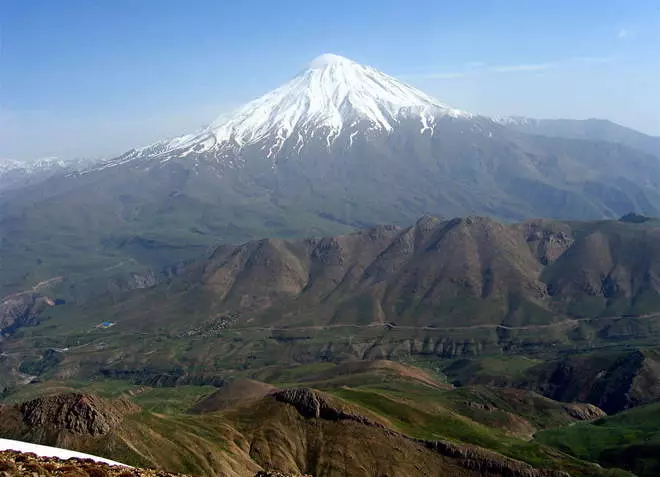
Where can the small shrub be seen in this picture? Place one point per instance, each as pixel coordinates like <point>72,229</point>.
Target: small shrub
<point>97,472</point>
<point>7,466</point>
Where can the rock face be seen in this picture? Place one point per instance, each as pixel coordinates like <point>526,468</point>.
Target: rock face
<point>613,382</point>
<point>77,413</point>
<point>306,400</point>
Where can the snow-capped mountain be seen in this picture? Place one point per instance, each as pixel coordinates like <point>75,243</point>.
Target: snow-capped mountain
<point>333,98</point>
<point>339,146</point>
<point>32,167</point>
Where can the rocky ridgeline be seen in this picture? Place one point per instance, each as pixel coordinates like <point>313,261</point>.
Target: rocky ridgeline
<point>313,404</point>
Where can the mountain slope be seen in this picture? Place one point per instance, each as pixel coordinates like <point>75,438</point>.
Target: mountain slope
<point>629,440</point>
<point>437,290</point>
<point>302,430</point>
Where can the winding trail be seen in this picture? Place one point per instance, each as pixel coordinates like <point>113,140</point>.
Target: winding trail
<point>557,324</point>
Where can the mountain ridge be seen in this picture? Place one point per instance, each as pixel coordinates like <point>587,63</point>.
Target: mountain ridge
<point>590,129</point>
<point>440,289</point>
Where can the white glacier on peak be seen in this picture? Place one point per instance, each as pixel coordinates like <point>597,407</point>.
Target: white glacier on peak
<point>333,93</point>
<point>328,59</point>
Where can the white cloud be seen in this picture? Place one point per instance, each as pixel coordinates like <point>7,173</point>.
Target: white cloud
<point>475,68</point>
<point>438,75</point>
<point>523,67</point>
<point>594,59</point>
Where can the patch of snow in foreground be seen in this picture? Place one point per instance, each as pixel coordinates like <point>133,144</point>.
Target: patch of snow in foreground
<point>46,451</point>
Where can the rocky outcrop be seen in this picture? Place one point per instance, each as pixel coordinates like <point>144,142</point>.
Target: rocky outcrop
<point>77,413</point>
<point>21,309</point>
<point>307,401</point>
<point>314,404</point>
<point>133,281</point>
<point>547,244</point>
<point>584,411</point>
<point>487,462</point>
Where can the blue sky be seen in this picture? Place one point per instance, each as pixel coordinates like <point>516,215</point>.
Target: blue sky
<point>94,78</point>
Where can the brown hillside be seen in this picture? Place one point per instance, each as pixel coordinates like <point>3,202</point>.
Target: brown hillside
<point>294,431</point>
<point>366,371</point>
<point>462,272</point>
<point>332,440</point>
<point>236,393</point>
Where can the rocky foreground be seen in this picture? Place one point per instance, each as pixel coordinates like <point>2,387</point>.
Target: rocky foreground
<point>15,464</point>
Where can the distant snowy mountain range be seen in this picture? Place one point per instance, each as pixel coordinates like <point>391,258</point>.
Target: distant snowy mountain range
<point>15,173</point>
